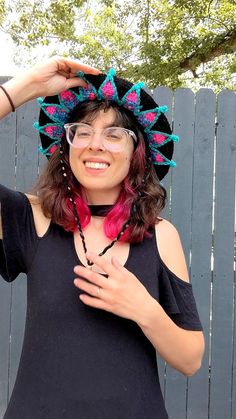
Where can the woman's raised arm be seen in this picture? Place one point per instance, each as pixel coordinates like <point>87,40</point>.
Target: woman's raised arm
<point>46,79</point>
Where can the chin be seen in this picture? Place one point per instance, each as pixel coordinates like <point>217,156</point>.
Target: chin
<point>100,186</point>
<point>95,187</point>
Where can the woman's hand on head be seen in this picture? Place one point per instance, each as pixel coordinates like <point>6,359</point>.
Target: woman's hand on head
<point>121,293</point>
<point>45,79</point>
<point>57,74</point>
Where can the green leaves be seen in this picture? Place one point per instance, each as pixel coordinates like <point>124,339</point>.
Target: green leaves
<point>2,11</point>
<point>163,42</point>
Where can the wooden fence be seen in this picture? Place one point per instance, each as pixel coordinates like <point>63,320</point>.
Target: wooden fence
<point>201,191</point>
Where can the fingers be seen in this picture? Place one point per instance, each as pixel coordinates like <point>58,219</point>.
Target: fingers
<point>92,277</point>
<point>75,81</point>
<point>88,287</point>
<point>72,79</point>
<point>75,65</point>
<point>102,263</point>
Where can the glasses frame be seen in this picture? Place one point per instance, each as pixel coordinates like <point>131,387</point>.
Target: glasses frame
<point>67,127</point>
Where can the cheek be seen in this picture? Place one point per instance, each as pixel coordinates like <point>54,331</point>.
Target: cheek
<point>123,167</point>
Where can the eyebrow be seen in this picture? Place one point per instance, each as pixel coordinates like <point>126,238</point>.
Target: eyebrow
<point>105,126</point>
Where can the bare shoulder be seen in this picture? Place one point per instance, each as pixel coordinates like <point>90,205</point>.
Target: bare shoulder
<point>171,249</point>
<point>33,199</point>
<point>41,222</point>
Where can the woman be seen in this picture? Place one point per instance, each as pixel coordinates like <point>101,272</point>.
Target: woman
<point>108,284</point>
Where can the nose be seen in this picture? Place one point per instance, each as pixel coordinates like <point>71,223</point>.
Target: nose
<point>96,142</point>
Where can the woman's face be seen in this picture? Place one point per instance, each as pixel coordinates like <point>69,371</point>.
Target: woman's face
<point>101,182</point>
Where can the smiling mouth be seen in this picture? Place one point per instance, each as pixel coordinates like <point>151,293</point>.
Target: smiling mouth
<point>96,165</point>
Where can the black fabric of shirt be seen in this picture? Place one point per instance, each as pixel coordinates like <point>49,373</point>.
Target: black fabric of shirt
<point>80,362</point>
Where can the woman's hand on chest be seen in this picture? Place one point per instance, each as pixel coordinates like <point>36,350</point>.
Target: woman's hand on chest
<point>121,293</point>
<point>96,242</point>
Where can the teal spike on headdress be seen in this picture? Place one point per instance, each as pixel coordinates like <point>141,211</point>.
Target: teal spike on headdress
<point>108,89</point>
<point>86,93</point>
<point>131,99</point>
<point>53,131</point>
<point>159,159</point>
<point>158,139</point>
<point>50,149</point>
<point>40,100</point>
<point>68,100</point>
<point>148,118</point>
<point>57,113</point>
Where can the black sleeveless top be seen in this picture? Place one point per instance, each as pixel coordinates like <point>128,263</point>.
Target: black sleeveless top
<point>79,362</point>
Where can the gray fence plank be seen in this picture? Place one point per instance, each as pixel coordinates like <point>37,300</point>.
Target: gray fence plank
<point>181,205</point>
<point>202,214</point>
<point>234,331</point>
<point>223,278</point>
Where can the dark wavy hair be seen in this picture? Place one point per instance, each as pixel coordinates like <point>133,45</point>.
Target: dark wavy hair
<point>52,187</point>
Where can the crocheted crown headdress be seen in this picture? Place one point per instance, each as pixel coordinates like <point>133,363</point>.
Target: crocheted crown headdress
<point>57,110</point>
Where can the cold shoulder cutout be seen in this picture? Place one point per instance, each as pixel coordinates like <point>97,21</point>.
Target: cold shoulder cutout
<point>176,298</point>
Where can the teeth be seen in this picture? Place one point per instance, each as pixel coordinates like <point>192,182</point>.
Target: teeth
<point>96,165</point>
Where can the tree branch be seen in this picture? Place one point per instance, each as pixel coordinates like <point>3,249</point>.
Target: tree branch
<point>226,45</point>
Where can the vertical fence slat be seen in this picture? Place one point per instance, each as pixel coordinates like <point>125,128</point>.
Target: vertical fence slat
<point>202,213</point>
<point>181,203</point>
<point>234,331</point>
<point>223,277</point>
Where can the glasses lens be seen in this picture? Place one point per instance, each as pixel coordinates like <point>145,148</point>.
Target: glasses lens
<point>115,139</point>
<point>79,135</point>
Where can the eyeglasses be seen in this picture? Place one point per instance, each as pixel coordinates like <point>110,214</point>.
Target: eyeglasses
<point>114,139</point>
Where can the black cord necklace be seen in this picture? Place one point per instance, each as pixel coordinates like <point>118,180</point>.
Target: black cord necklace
<point>126,224</point>
<point>102,210</point>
